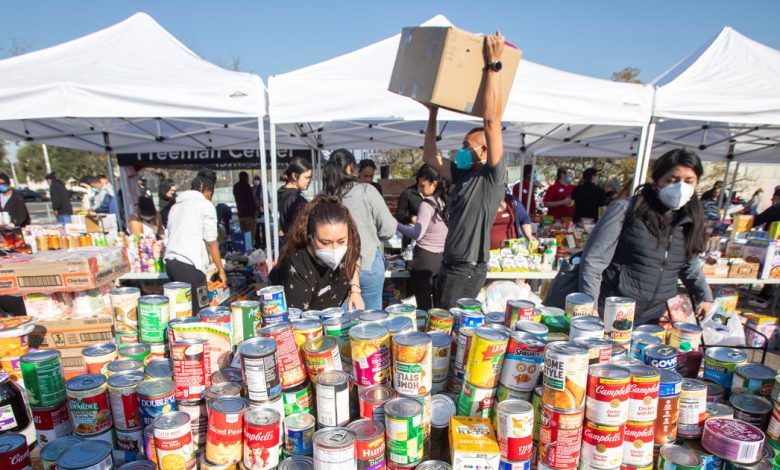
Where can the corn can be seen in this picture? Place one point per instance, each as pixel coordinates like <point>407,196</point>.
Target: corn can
<point>306,329</point>
<point>486,358</point>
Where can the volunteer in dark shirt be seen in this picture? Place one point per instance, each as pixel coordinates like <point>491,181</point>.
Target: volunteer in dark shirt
<point>366,172</point>
<point>479,177</point>
<point>409,203</point>
<point>12,202</point>
<point>588,197</point>
<point>772,214</point>
<point>167,197</point>
<point>245,205</point>
<point>60,198</point>
<point>557,198</point>
<point>290,196</point>
<point>319,265</point>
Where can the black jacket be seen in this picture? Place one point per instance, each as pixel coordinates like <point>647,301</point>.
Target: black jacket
<point>290,202</point>
<point>17,209</point>
<point>60,198</point>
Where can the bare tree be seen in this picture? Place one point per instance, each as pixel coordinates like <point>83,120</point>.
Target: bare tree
<point>627,74</point>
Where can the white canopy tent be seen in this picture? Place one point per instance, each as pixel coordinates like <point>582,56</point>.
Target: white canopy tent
<point>131,87</point>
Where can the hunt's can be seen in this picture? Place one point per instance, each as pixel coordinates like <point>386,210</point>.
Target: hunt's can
<point>599,350</point>
<point>720,363</point>
<point>370,349</point>
<point>715,392</point>
<point>412,363</point>
<point>333,398</point>
<point>578,305</point>
<point>290,363</point>
<point>225,430</point>
<point>124,303</point>
<point>476,401</point>
<point>160,368</point>
<point>372,401</point>
<point>191,368</point>
<point>643,393</point>
<point>43,377</point>
<point>173,441</point>
<point>334,449</point>
<point>124,365</point>
<point>179,299</point>
<point>565,375</point>
<point>155,397</point>
<point>440,353</point>
<point>472,305</point>
<point>607,394</point>
<point>153,317</point>
<point>440,320</point>
<point>51,451</point>
<point>262,439</point>
<point>619,318</point>
<point>751,409</point>
<point>754,379</point>
<point>130,442</point>
<point>87,455</point>
<point>403,424</point>
<point>369,443</point>
<point>137,351</point>
<point>88,404</point>
<point>260,367</point>
<point>640,341</point>
<point>519,310</point>
<point>585,327</point>
<point>602,445</point>
<point>298,399</point>
<point>272,300</point>
<point>321,354</point>
<point>692,408</point>
<point>298,433</point>
<point>246,319</point>
<point>486,357</point>
<point>123,398</point>
<point>522,362</point>
<point>560,437</point>
<point>306,329</point>
<point>514,429</point>
<point>669,390</point>
<point>685,333</point>
<point>732,440</point>
<point>638,444</point>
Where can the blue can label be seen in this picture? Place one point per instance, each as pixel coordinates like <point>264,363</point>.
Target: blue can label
<point>471,321</point>
<point>669,389</point>
<point>638,351</point>
<point>154,407</point>
<point>299,441</point>
<point>719,374</point>
<point>506,465</point>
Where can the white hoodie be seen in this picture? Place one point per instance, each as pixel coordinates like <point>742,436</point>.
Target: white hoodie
<point>191,222</point>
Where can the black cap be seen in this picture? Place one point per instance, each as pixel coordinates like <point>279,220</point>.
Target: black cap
<point>589,173</point>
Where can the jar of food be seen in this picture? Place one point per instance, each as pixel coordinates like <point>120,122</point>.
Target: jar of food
<point>13,412</point>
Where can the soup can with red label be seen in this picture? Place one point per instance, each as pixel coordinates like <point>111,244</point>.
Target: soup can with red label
<point>602,445</point>
<point>607,394</point>
<point>514,429</point>
<point>191,368</point>
<point>638,443</point>
<point>643,394</point>
<point>173,441</point>
<point>226,425</point>
<point>14,453</point>
<point>560,437</point>
<point>262,438</point>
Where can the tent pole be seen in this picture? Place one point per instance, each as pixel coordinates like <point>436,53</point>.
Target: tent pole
<point>120,220</point>
<point>46,158</point>
<point>315,173</point>
<point>729,158</point>
<point>646,149</point>
<point>274,195</point>
<point>264,184</point>
<point>530,185</point>
<point>640,154</point>
<point>733,181</point>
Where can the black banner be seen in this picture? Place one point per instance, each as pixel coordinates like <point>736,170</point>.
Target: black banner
<point>242,158</point>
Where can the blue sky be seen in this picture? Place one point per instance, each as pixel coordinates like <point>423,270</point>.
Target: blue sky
<point>590,37</point>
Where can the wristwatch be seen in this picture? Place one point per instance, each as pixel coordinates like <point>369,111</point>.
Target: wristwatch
<point>494,66</point>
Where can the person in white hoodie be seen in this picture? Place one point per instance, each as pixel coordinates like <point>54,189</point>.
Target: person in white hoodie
<point>192,240</point>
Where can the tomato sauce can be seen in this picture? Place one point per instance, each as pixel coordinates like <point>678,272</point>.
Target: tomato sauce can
<point>732,440</point>
<point>404,434</point>
<point>191,368</point>
<point>751,409</point>
<point>692,408</point>
<point>370,349</point>
<point>486,357</point>
<point>246,319</point>
<point>372,401</point>
<point>88,404</point>
<point>720,363</point>
<point>51,422</point>
<point>290,364</point>
<point>225,431</point>
<point>619,318</point>
<point>565,375</point>
<point>519,310</point>
<point>298,399</point>
<point>306,329</point>
<point>334,449</point>
<point>755,379</point>
<point>514,429</point>
<point>333,388</point>
<point>476,401</point>
<point>602,445</point>
<point>369,444</point>
<point>260,367</point>
<point>272,300</point>
<point>643,393</point>
<point>669,390</point>
<point>262,439</point>
<point>607,394</point>
<point>155,397</point>
<point>560,437</point>
<point>439,320</point>
<point>97,357</point>
<point>173,441</point>
<point>153,317</point>
<point>321,354</point>
<point>199,421</point>
<point>522,362</point>
<point>299,433</point>
<point>123,398</point>
<point>43,377</point>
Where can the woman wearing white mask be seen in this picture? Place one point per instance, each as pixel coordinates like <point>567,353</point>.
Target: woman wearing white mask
<point>319,265</point>
<point>643,245</point>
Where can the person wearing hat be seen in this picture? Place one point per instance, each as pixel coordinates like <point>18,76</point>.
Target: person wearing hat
<point>60,198</point>
<point>588,197</point>
<point>13,203</point>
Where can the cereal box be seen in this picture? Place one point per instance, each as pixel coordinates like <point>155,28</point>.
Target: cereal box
<point>473,444</point>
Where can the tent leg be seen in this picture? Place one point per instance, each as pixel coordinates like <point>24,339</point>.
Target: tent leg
<point>106,141</point>
<point>722,195</point>
<point>315,174</point>
<point>640,155</point>
<point>274,195</point>
<point>530,185</point>
<point>263,175</point>
<point>733,181</point>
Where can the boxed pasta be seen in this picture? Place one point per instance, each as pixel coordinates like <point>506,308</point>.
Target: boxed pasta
<point>473,444</point>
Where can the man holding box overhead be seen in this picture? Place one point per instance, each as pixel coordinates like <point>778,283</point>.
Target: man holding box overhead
<point>479,178</point>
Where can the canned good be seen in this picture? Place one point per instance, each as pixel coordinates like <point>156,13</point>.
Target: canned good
<point>262,438</point>
<point>191,368</point>
<point>607,394</point>
<point>299,433</point>
<point>685,333</point>
<point>290,363</point>
<point>369,443</point>
<point>495,318</point>
<point>565,375</point>
<point>536,403</point>
<point>155,397</point>
<point>130,442</point>
<point>412,363</point>
<point>643,393</point>
<point>334,449</point>
<point>719,410</point>
<point>560,437</point>
<point>514,429</point>
<point>522,362</point>
<point>403,424</point>
<point>298,399</point>
<point>619,352</point>
<point>672,457</point>
<point>321,354</point>
<point>578,305</point>
<point>640,341</point>
<point>306,329</point>
<point>519,310</point>
<point>638,443</point>
<point>619,318</point>
<point>586,327</point>
<point>440,320</point>
<point>218,315</point>
<point>661,356</point>
<point>149,450</point>
<point>260,367</point>
<point>43,377</point>
<point>710,462</point>
<point>693,408</point>
<point>669,390</point>
<point>370,349</point>
<point>754,379</point>
<point>333,398</point>
<point>751,409</point>
<point>463,345</point>
<point>602,445</point>
<point>246,319</point>
<point>296,462</point>
<point>654,330</point>
<point>153,317</point>
<point>475,401</point>
<point>486,357</point>
<point>472,305</point>
<point>137,351</point>
<point>173,441</point>
<point>159,368</point>
<point>51,451</point>
<point>442,410</point>
<point>51,422</point>
<point>272,300</point>
<point>720,363</point>
<point>225,430</point>
<point>599,350</point>
<point>372,316</point>
<point>97,357</point>
<point>439,465</point>
<point>468,318</point>
<point>179,298</point>
<point>199,421</point>
<point>715,392</point>
<point>87,455</point>
<point>124,399</point>
<point>440,352</point>
<point>732,440</point>
<point>88,404</point>
<point>124,365</point>
<point>535,328</point>
<point>372,401</point>
<point>124,304</point>
<point>227,374</point>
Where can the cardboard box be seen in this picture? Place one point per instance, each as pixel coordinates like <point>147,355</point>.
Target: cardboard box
<point>473,444</point>
<point>72,362</point>
<point>765,253</point>
<point>445,66</point>
<point>72,333</point>
<point>733,249</point>
<point>744,270</point>
<point>715,270</point>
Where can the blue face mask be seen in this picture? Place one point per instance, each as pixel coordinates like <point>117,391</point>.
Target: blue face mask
<point>4,188</point>
<point>569,179</point>
<point>463,159</point>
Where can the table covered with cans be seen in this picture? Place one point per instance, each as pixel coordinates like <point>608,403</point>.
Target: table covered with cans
<point>262,386</point>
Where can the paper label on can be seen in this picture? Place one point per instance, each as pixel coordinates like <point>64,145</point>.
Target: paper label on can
<point>565,380</point>
<point>154,407</point>
<point>607,400</point>
<point>484,363</point>
<point>602,446</point>
<point>410,379</point>
<point>339,458</point>
<point>224,438</point>
<point>174,448</point>
<point>692,412</point>
<point>643,399</point>
<point>261,446</point>
<point>370,454</point>
<point>261,377</point>
<point>124,408</point>
<point>130,441</point>
<point>52,423</point>
<point>515,435</point>
<point>522,365</point>
<point>332,406</point>
<point>619,321</point>
<point>666,422</point>
<point>90,414</point>
<point>638,442</point>
<point>722,373</point>
<point>440,363</point>
<point>773,430</point>
<point>404,439</point>
<point>290,363</point>
<point>371,361</point>
<point>153,322</point>
<point>565,431</point>
<point>297,402</point>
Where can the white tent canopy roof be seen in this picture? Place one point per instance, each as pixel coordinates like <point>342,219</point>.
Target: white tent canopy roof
<point>134,81</point>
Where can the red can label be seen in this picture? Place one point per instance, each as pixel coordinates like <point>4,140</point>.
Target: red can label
<point>602,446</point>
<point>375,411</point>
<point>261,446</point>
<point>638,443</point>
<point>174,447</point>
<point>17,459</point>
<point>371,453</point>
<point>666,423</point>
<point>515,435</point>
<point>560,438</point>
<point>223,443</point>
<point>90,413</point>
<point>52,423</point>
<point>607,400</point>
<point>643,398</point>
<point>290,363</point>
<point>191,370</point>
<point>124,408</point>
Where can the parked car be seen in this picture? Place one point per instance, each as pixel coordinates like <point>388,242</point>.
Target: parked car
<point>33,196</point>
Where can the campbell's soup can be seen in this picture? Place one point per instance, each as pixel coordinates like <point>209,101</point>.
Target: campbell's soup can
<point>668,407</point>
<point>514,429</point>
<point>225,431</point>
<point>643,393</point>
<point>14,453</point>
<point>560,437</point>
<point>262,438</point>
<point>692,409</point>
<point>602,445</point>
<point>607,395</point>
<point>173,441</point>
<point>638,444</point>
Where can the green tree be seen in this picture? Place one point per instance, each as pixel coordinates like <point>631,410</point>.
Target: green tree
<point>627,74</point>
<point>404,163</point>
<point>66,163</point>
<point>5,165</point>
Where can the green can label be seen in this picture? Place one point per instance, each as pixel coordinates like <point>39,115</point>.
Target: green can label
<point>44,381</point>
<point>153,322</point>
<point>245,320</point>
<point>298,401</point>
<point>404,440</point>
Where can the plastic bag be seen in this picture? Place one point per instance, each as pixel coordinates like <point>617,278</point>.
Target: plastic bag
<point>496,294</point>
<point>722,330</point>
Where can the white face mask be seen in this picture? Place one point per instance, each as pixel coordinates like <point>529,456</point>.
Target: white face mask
<point>677,195</point>
<point>332,257</point>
